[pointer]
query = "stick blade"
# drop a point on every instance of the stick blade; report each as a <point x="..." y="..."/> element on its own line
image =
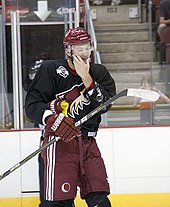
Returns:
<point x="143" y="93"/>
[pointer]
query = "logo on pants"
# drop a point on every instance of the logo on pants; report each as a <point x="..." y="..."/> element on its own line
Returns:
<point x="65" y="187"/>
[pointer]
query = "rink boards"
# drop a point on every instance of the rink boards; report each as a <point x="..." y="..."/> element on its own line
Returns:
<point x="137" y="161"/>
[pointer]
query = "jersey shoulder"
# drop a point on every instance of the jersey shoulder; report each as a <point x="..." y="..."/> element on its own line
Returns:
<point x="54" y="67"/>
<point x="98" y="70"/>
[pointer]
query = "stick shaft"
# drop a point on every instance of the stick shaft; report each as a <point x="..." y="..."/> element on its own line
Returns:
<point x="101" y="107"/>
<point x="22" y="162"/>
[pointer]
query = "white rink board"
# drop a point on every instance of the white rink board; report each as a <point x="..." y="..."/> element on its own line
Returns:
<point x="30" y="169"/>
<point x="140" y="159"/>
<point x="9" y="156"/>
<point x="137" y="160"/>
<point x="15" y="146"/>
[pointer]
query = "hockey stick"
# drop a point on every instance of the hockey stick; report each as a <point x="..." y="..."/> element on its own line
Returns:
<point x="140" y="93"/>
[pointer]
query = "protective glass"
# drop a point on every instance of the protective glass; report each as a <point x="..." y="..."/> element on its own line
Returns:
<point x="83" y="48"/>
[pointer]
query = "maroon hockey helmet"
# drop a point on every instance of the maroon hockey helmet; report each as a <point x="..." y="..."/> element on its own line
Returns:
<point x="76" y="36"/>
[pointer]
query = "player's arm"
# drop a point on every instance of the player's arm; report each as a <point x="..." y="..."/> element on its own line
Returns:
<point x="104" y="87"/>
<point x="50" y="114"/>
<point x="38" y="95"/>
<point x="99" y="87"/>
<point x="162" y="20"/>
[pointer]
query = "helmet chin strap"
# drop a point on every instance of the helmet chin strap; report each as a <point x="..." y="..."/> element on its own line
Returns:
<point x="71" y="53"/>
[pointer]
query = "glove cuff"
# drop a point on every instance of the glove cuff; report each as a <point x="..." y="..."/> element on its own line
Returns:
<point x="52" y="106"/>
<point x="45" y="115"/>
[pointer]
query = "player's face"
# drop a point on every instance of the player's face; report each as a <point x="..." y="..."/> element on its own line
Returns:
<point x="84" y="50"/>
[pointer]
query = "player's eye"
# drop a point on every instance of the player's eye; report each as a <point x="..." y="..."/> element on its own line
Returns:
<point x="81" y="49"/>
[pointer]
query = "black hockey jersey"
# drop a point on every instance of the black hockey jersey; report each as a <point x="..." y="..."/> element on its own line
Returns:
<point x="55" y="80"/>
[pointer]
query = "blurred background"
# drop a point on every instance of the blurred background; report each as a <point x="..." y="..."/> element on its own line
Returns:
<point x="125" y="39"/>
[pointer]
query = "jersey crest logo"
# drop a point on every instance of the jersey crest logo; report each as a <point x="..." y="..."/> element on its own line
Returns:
<point x="76" y="99"/>
<point x="62" y="71"/>
<point x="78" y="104"/>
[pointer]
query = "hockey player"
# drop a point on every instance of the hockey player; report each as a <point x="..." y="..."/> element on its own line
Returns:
<point x="62" y="92"/>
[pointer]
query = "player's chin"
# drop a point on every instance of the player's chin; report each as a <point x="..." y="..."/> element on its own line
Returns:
<point x="85" y="59"/>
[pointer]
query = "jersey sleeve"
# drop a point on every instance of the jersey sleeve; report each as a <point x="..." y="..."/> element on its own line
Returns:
<point x="38" y="96"/>
<point x="104" y="86"/>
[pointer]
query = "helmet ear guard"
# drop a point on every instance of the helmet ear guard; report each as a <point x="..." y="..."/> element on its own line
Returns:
<point x="76" y="36"/>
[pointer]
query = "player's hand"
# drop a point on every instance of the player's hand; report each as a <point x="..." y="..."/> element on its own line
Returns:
<point x="61" y="126"/>
<point x="82" y="68"/>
